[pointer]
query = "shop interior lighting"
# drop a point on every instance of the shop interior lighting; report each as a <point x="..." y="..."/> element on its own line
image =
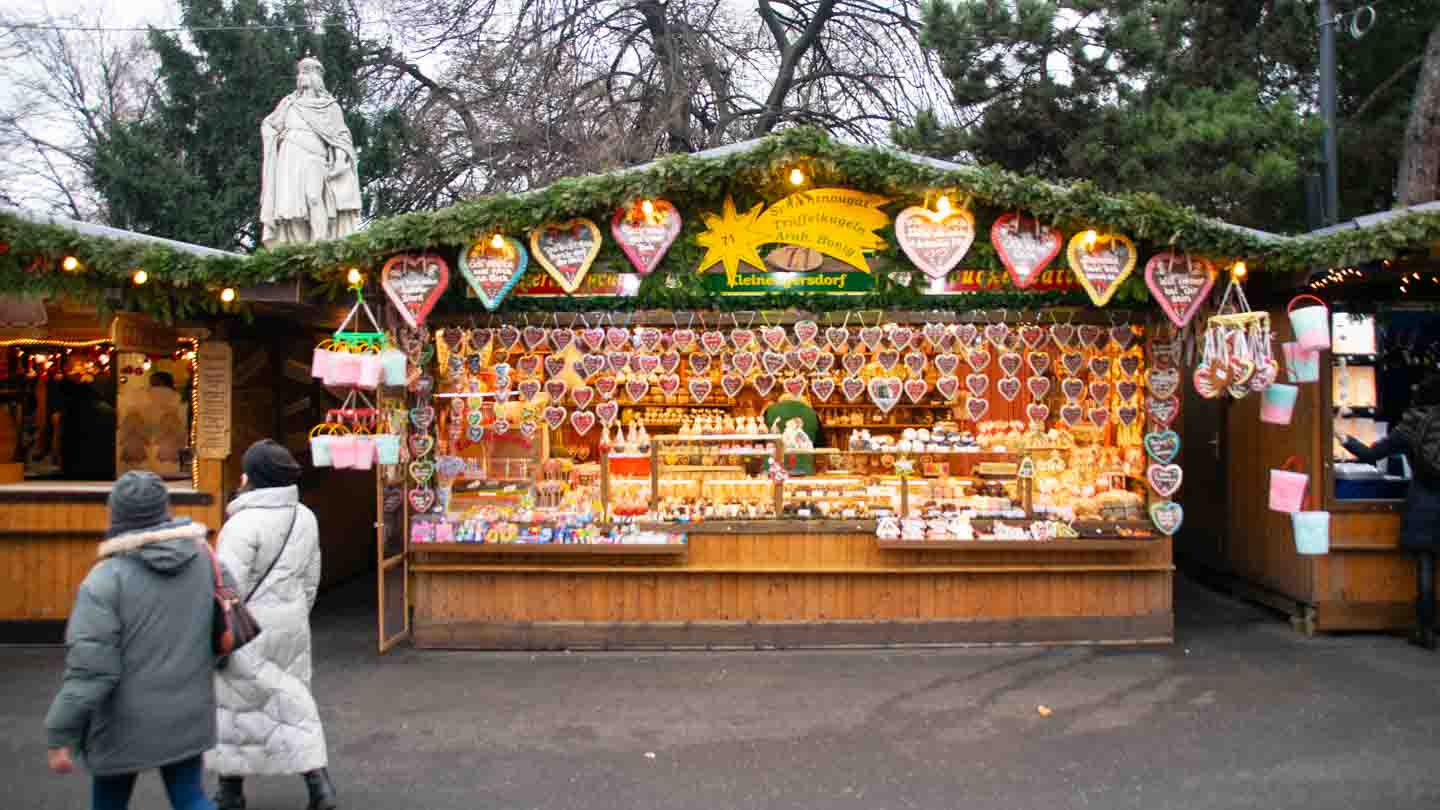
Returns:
<point x="1091" y="237"/>
<point x="140" y="277"/>
<point x="942" y="206"/>
<point x="70" y="264"/>
<point x="797" y="177"/>
<point x="1239" y="271"/>
<point x="227" y="295"/>
<point x="648" y="206"/>
<point x="355" y="278"/>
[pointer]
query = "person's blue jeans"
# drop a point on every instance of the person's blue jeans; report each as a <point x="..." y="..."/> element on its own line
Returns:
<point x="184" y="784"/>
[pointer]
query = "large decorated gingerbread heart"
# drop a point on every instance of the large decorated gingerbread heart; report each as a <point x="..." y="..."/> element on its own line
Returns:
<point x="566" y="250"/>
<point x="885" y="392"/>
<point x="1101" y="264"/>
<point x="1167" y="517"/>
<point x="935" y="242"/>
<point x="645" y="231"/>
<point x="1180" y="284"/>
<point x="1165" y="479"/>
<point x="492" y="270"/>
<point x="1162" y="446"/>
<point x="414" y="284"/>
<point x="1024" y="246"/>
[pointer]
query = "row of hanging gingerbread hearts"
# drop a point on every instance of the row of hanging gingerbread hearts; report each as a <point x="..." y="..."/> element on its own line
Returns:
<point x="510" y="338"/>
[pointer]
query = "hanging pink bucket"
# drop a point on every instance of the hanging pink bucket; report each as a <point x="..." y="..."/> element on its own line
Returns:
<point x="320" y="362"/>
<point x="1277" y="403"/>
<point x="1302" y="365"/>
<point x="364" y="456"/>
<point x="344" y="369"/>
<point x="1310" y="322"/>
<point x="370" y="369"/>
<point x="344" y="452"/>
<point x="1287" y="487"/>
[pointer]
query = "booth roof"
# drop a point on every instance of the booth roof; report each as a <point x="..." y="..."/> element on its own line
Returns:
<point x="188" y="276"/>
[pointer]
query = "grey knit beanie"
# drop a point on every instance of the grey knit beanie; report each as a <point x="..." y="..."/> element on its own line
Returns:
<point x="139" y="500"/>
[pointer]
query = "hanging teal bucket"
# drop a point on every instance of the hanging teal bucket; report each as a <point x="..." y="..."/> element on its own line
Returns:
<point x="1312" y="532"/>
<point x="320" y="450"/>
<point x="393" y="363"/>
<point x="1311" y="323"/>
<point x="1277" y="403"/>
<point x="387" y="448"/>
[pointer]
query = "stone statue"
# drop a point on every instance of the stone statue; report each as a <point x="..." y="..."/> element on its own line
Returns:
<point x="309" y="189"/>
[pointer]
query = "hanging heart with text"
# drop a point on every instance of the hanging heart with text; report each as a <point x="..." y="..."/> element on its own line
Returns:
<point x="1101" y="264"/>
<point x="1180" y="284"/>
<point x="493" y="271"/>
<point x="566" y="250"/>
<point x="414" y="284"/>
<point x="935" y="242"/>
<point x="1024" y="246"/>
<point x="646" y="232"/>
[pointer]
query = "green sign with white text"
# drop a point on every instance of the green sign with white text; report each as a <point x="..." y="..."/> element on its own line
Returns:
<point x="818" y="281"/>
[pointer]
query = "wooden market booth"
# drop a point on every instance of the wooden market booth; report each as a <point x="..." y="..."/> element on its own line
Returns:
<point x="1385" y="316"/>
<point x="515" y="518"/>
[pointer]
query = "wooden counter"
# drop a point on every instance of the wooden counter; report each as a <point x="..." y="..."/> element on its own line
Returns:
<point x="788" y="586"/>
<point x="48" y="536"/>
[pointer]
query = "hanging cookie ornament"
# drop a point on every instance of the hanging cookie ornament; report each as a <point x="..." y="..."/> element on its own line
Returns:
<point x="414" y="284"/>
<point x="645" y="230"/>
<point x="492" y="267"/>
<point x="566" y="250"/>
<point x="1101" y="262"/>
<point x="1024" y="246"/>
<point x="935" y="240"/>
<point x="1180" y="284"/>
<point x="1236" y="341"/>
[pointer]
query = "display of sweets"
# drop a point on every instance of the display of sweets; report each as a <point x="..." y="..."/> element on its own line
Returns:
<point x="709" y="424"/>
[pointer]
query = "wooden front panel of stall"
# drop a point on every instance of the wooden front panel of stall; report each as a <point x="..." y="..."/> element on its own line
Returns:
<point x="47" y="548"/>
<point x="800" y="590"/>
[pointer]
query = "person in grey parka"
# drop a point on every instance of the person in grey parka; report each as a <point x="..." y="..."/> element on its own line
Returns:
<point x="138" y="691"/>
<point x="269" y="723"/>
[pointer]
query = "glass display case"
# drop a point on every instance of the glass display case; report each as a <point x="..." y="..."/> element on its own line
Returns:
<point x="1374" y="361"/>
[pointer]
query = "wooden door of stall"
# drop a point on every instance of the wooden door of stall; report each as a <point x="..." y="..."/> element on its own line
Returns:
<point x="392" y="569"/>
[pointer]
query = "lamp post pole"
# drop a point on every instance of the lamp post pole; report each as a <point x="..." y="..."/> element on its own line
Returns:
<point x="1328" y="21"/>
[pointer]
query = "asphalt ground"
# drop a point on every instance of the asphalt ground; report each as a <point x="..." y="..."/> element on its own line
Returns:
<point x="1241" y="712"/>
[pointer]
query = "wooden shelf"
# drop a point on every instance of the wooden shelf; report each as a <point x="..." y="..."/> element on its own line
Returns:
<point x="555" y="549"/>
<point x="1016" y="545"/>
<point x="871" y="406"/>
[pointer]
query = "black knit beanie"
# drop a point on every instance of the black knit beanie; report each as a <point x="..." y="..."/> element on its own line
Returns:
<point x="139" y="500"/>
<point x="268" y="464"/>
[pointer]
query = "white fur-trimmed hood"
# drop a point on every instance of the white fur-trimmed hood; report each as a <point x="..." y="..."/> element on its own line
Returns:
<point x="145" y="537"/>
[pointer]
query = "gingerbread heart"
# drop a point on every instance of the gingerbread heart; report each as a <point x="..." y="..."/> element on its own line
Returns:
<point x="742" y="339"/>
<point x="824" y="361"/>
<point x="885" y="392"/>
<point x="507" y="337"/>
<point x="1009" y="388"/>
<point x="1090" y="335"/>
<point x="1010" y="363"/>
<point x="1073" y="388"/>
<point x="606" y="387"/>
<point x="670" y="362"/>
<point x="1102" y="265"/>
<point x="617" y="338"/>
<point x="607" y="412"/>
<point x="534" y="337"/>
<point x="852" y="388"/>
<point x="837" y="338"/>
<point x="422" y="499"/>
<point x="744" y="362"/>
<point x="1063" y="334"/>
<point x="886" y="359"/>
<point x="852" y="363"/>
<point x="1071" y="414"/>
<point x="763" y="384"/>
<point x="1127" y="414"/>
<point x="775" y="338"/>
<point x="422" y="418"/>
<point x="593" y="338"/>
<point x="1024" y="246"/>
<point x="1100" y="366"/>
<point x="582" y="396"/>
<point x="500" y="426"/>
<point x="593" y="364"/>
<point x="1167" y="516"/>
<point x="731" y="384"/>
<point x="644" y="363"/>
<point x="901" y="337"/>
<point x="648" y="338"/>
<point x="806" y="331"/>
<point x="1032" y="335"/>
<point x="977" y="384"/>
<point x="422" y="471"/>
<point x="529" y="364"/>
<point x="1099" y="391"/>
<point x="1039" y="362"/>
<point x="1162" y="446"/>
<point x="794" y="386"/>
<point x="699" y="363"/>
<point x="618" y="361"/>
<point x="1039" y="387"/>
<point x="529" y="389"/>
<point x="916" y="389"/>
<point x="554" y="365"/>
<point x="808" y="356"/>
<point x="792" y="360"/>
<point x="637" y="389"/>
<point x="1129" y="365"/>
<point x="713" y="341"/>
<point x="948" y="386"/>
<point x="933" y="334"/>
<point x="1165" y="479"/>
<point x="669" y="384"/>
<point x="1072" y="363"/>
<point x="1163" y="409"/>
<point x="560" y="339"/>
<point x="978" y="359"/>
<point x="976" y="408"/>
<point x="946" y="363"/>
<point x="1099" y="417"/>
<point x="422" y="443"/>
<point x="554" y="416"/>
<point x="682" y="339"/>
<point x="700" y="390"/>
<point x="997" y="334"/>
<point x="822" y="388"/>
<point x="582" y="421"/>
<point x="966" y="333"/>
<point x="915" y="362"/>
<point x="1037" y="413"/>
<point x="871" y="336"/>
<point x="1163" y="383"/>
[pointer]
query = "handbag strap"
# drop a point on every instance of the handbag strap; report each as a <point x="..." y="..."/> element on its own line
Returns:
<point x="214" y="564"/>
<point x="294" y="513"/>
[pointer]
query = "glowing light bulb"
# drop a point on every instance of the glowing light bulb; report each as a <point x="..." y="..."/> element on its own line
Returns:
<point x="355" y="278"/>
<point x="1239" y="270"/>
<point x="140" y="277"/>
<point x="797" y="177"/>
<point x="227" y="295"/>
<point x="1091" y="238"/>
<point x="70" y="264"/>
<point x="648" y="207"/>
<point x="943" y="206"/>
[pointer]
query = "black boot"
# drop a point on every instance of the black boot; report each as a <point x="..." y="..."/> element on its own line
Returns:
<point x="231" y="795"/>
<point x="322" y="791"/>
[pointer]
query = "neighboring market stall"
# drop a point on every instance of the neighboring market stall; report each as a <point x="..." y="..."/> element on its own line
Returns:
<point x="786" y="393"/>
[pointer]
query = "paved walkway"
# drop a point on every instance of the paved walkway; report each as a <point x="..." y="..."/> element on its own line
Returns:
<point x="1240" y="713"/>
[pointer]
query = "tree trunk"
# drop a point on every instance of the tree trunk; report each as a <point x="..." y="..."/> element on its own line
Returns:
<point x="1420" y="153"/>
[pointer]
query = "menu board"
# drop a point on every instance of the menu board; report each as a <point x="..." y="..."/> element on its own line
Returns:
<point x="213" y="376"/>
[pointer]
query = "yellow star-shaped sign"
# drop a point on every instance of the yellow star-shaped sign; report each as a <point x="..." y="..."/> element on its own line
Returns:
<point x="732" y="238"/>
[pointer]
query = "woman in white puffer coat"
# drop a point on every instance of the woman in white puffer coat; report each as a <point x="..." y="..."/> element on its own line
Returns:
<point x="268" y="721"/>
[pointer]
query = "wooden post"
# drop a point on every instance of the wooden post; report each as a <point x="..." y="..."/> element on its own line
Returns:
<point x="605" y="512"/>
<point x="904" y="496"/>
<point x="779" y="456"/>
<point x="654" y="477"/>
